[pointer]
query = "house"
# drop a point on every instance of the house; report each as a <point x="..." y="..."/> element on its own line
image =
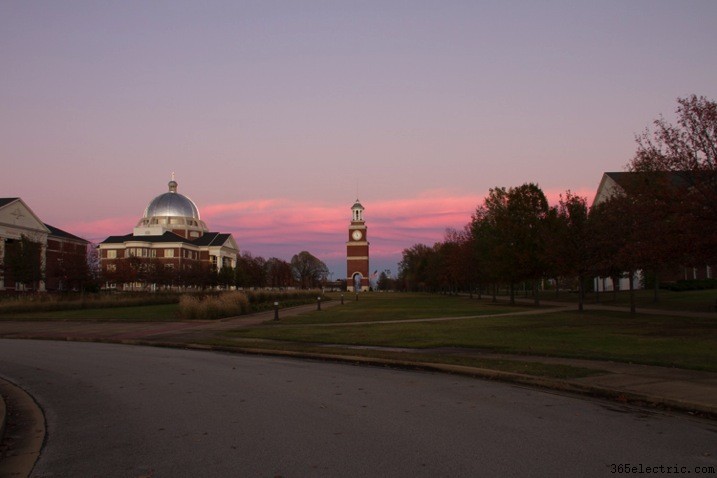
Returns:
<point x="677" y="184"/>
<point x="35" y="255"/>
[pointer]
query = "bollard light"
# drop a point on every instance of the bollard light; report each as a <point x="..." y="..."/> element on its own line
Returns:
<point x="276" y="311"/>
<point x="342" y="299"/>
<point x="318" y="303"/>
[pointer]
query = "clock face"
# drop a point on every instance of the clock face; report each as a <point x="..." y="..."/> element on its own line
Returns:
<point x="356" y="235"/>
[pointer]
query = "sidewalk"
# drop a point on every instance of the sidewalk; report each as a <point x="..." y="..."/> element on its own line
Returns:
<point x="684" y="390"/>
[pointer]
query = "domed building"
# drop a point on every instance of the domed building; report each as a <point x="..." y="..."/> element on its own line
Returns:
<point x="170" y="245"/>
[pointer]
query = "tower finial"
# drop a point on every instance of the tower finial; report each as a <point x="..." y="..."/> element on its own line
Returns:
<point x="173" y="184"/>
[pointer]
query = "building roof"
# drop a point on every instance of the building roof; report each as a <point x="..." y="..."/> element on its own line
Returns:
<point x="211" y="239"/>
<point x="172" y="204"/>
<point x="54" y="231"/>
<point x="208" y="239"/>
<point x="626" y="182"/>
<point x="166" y="237"/>
<point x="5" y="201"/>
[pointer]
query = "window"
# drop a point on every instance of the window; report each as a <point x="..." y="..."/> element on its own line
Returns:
<point x="169" y="253"/>
<point x="112" y="254"/>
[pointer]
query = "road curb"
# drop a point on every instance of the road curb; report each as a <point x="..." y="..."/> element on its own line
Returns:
<point x="3" y="417"/>
<point x="24" y="430"/>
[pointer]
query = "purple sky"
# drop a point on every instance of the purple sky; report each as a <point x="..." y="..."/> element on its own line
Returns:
<point x="276" y="115"/>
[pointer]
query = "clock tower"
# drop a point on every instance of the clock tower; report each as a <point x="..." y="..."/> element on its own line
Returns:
<point x="357" y="252"/>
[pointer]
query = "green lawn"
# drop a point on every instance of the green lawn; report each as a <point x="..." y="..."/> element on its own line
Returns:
<point x="400" y="306"/>
<point x="162" y="312"/>
<point x="659" y="340"/>
<point x="693" y="300"/>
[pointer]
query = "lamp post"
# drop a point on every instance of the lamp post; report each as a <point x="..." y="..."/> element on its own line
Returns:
<point x="318" y="303"/>
<point x="276" y="311"/>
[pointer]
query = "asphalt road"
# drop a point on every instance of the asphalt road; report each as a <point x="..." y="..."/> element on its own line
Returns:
<point x="127" y="411"/>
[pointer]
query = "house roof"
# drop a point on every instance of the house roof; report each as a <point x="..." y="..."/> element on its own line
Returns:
<point x="676" y="179"/>
<point x="54" y="231"/>
<point x="626" y="182"/>
<point x="5" y="201"/>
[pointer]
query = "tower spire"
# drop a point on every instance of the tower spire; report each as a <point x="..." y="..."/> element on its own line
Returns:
<point x="172" y="184"/>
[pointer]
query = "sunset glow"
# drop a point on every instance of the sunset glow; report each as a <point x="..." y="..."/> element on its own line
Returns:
<point x="276" y="116"/>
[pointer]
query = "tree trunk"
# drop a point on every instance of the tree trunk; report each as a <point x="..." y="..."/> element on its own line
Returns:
<point x="512" y="294"/>
<point x="597" y="290"/>
<point x="536" y="292"/>
<point x="581" y="292"/>
<point x="632" y="292"/>
<point x="656" y="297"/>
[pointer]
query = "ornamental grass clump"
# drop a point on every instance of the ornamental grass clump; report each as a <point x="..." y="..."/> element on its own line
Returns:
<point x="228" y="304"/>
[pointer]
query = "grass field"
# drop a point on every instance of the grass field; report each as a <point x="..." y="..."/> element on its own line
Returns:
<point x="668" y="340"/>
<point x="694" y="301"/>
<point x="149" y="313"/>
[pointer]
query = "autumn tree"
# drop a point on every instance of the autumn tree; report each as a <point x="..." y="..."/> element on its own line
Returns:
<point x="458" y="255"/>
<point x="308" y="270"/>
<point x="688" y="148"/>
<point x="278" y="273"/>
<point x="250" y="271"/>
<point x="413" y="270"/>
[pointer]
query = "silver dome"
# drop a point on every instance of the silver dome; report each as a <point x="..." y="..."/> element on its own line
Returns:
<point x="172" y="204"/>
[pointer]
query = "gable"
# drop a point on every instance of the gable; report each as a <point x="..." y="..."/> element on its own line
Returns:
<point x="17" y="215"/>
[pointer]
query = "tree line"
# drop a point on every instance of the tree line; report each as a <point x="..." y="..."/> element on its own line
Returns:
<point x="304" y="271"/>
<point x="664" y="217"/>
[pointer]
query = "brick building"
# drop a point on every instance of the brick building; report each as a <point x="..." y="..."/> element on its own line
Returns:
<point x="170" y="246"/>
<point x="59" y="259"/>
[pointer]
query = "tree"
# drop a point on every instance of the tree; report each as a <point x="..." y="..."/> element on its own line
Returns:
<point x="509" y="230"/>
<point x="225" y="277"/>
<point x="278" y="273"/>
<point x="250" y="271"/>
<point x="413" y="270"/>
<point x="569" y="249"/>
<point x="23" y="262"/>
<point x="71" y="268"/>
<point x="486" y="242"/>
<point x="617" y="245"/>
<point x="458" y="259"/>
<point x="308" y="270"/>
<point x="527" y="213"/>
<point x="385" y="282"/>
<point x="689" y="148"/>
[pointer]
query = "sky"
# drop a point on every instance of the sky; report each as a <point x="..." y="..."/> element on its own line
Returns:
<point x="275" y="116"/>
